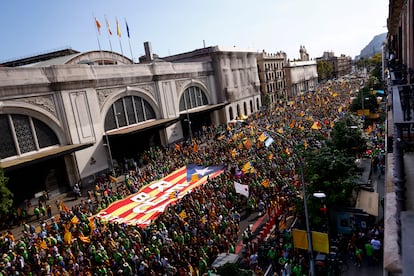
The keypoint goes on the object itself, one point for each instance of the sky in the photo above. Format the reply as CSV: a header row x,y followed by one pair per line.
x,y
177,26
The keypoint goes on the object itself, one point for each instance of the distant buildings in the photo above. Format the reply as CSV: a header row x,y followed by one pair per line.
x,y
341,65
282,79
271,69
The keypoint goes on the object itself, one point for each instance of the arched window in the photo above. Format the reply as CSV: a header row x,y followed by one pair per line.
x,y
238,110
127,111
22,134
192,97
251,106
257,104
231,116
245,108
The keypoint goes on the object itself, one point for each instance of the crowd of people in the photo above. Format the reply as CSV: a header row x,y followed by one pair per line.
x,y
76,243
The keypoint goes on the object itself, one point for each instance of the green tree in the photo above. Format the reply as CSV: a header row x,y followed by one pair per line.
x,y
333,172
347,136
370,101
325,70
6,196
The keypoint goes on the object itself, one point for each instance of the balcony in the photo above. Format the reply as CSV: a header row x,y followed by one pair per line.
x,y
399,189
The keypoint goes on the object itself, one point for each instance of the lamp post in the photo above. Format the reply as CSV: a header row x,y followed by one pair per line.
x,y
110,154
188,114
305,203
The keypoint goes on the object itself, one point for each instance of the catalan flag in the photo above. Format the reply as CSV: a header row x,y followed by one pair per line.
x,y
195,146
266,183
74,220
63,207
262,137
183,215
248,168
151,200
113,179
98,25
84,238
233,153
200,171
247,143
316,125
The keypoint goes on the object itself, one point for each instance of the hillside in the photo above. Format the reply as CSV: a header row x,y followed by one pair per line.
x,y
373,47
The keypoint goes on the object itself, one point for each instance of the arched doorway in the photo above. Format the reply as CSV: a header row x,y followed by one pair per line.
x,y
130,113
23,137
193,119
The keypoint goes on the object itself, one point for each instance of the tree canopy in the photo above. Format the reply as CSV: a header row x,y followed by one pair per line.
x,y
6,196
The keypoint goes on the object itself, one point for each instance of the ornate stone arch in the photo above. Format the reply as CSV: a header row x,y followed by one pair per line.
x,y
22,108
131,95
193,87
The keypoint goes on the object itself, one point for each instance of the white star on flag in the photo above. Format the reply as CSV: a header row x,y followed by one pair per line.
x,y
204,171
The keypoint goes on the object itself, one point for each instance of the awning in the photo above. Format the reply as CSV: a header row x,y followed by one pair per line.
x,y
368,201
204,108
42,155
141,127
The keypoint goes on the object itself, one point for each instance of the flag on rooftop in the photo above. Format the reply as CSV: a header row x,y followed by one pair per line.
x,y
107,26
118,29
127,28
98,25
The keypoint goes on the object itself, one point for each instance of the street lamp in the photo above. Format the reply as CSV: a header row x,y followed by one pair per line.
x,y
188,114
110,153
305,203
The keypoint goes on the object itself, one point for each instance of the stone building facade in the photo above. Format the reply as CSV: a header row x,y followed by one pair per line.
x,y
72,117
301,75
341,65
271,69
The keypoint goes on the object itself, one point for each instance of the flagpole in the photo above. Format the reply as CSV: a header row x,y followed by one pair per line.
x,y
98,33
118,33
129,40
109,38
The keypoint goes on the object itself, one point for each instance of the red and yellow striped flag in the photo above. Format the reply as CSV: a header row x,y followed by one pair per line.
x,y
63,207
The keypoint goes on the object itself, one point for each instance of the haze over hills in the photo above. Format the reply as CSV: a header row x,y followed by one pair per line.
x,y
373,47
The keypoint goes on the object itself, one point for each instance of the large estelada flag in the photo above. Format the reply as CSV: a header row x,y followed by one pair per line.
x,y
151,200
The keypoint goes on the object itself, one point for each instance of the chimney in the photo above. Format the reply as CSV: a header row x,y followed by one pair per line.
x,y
148,51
